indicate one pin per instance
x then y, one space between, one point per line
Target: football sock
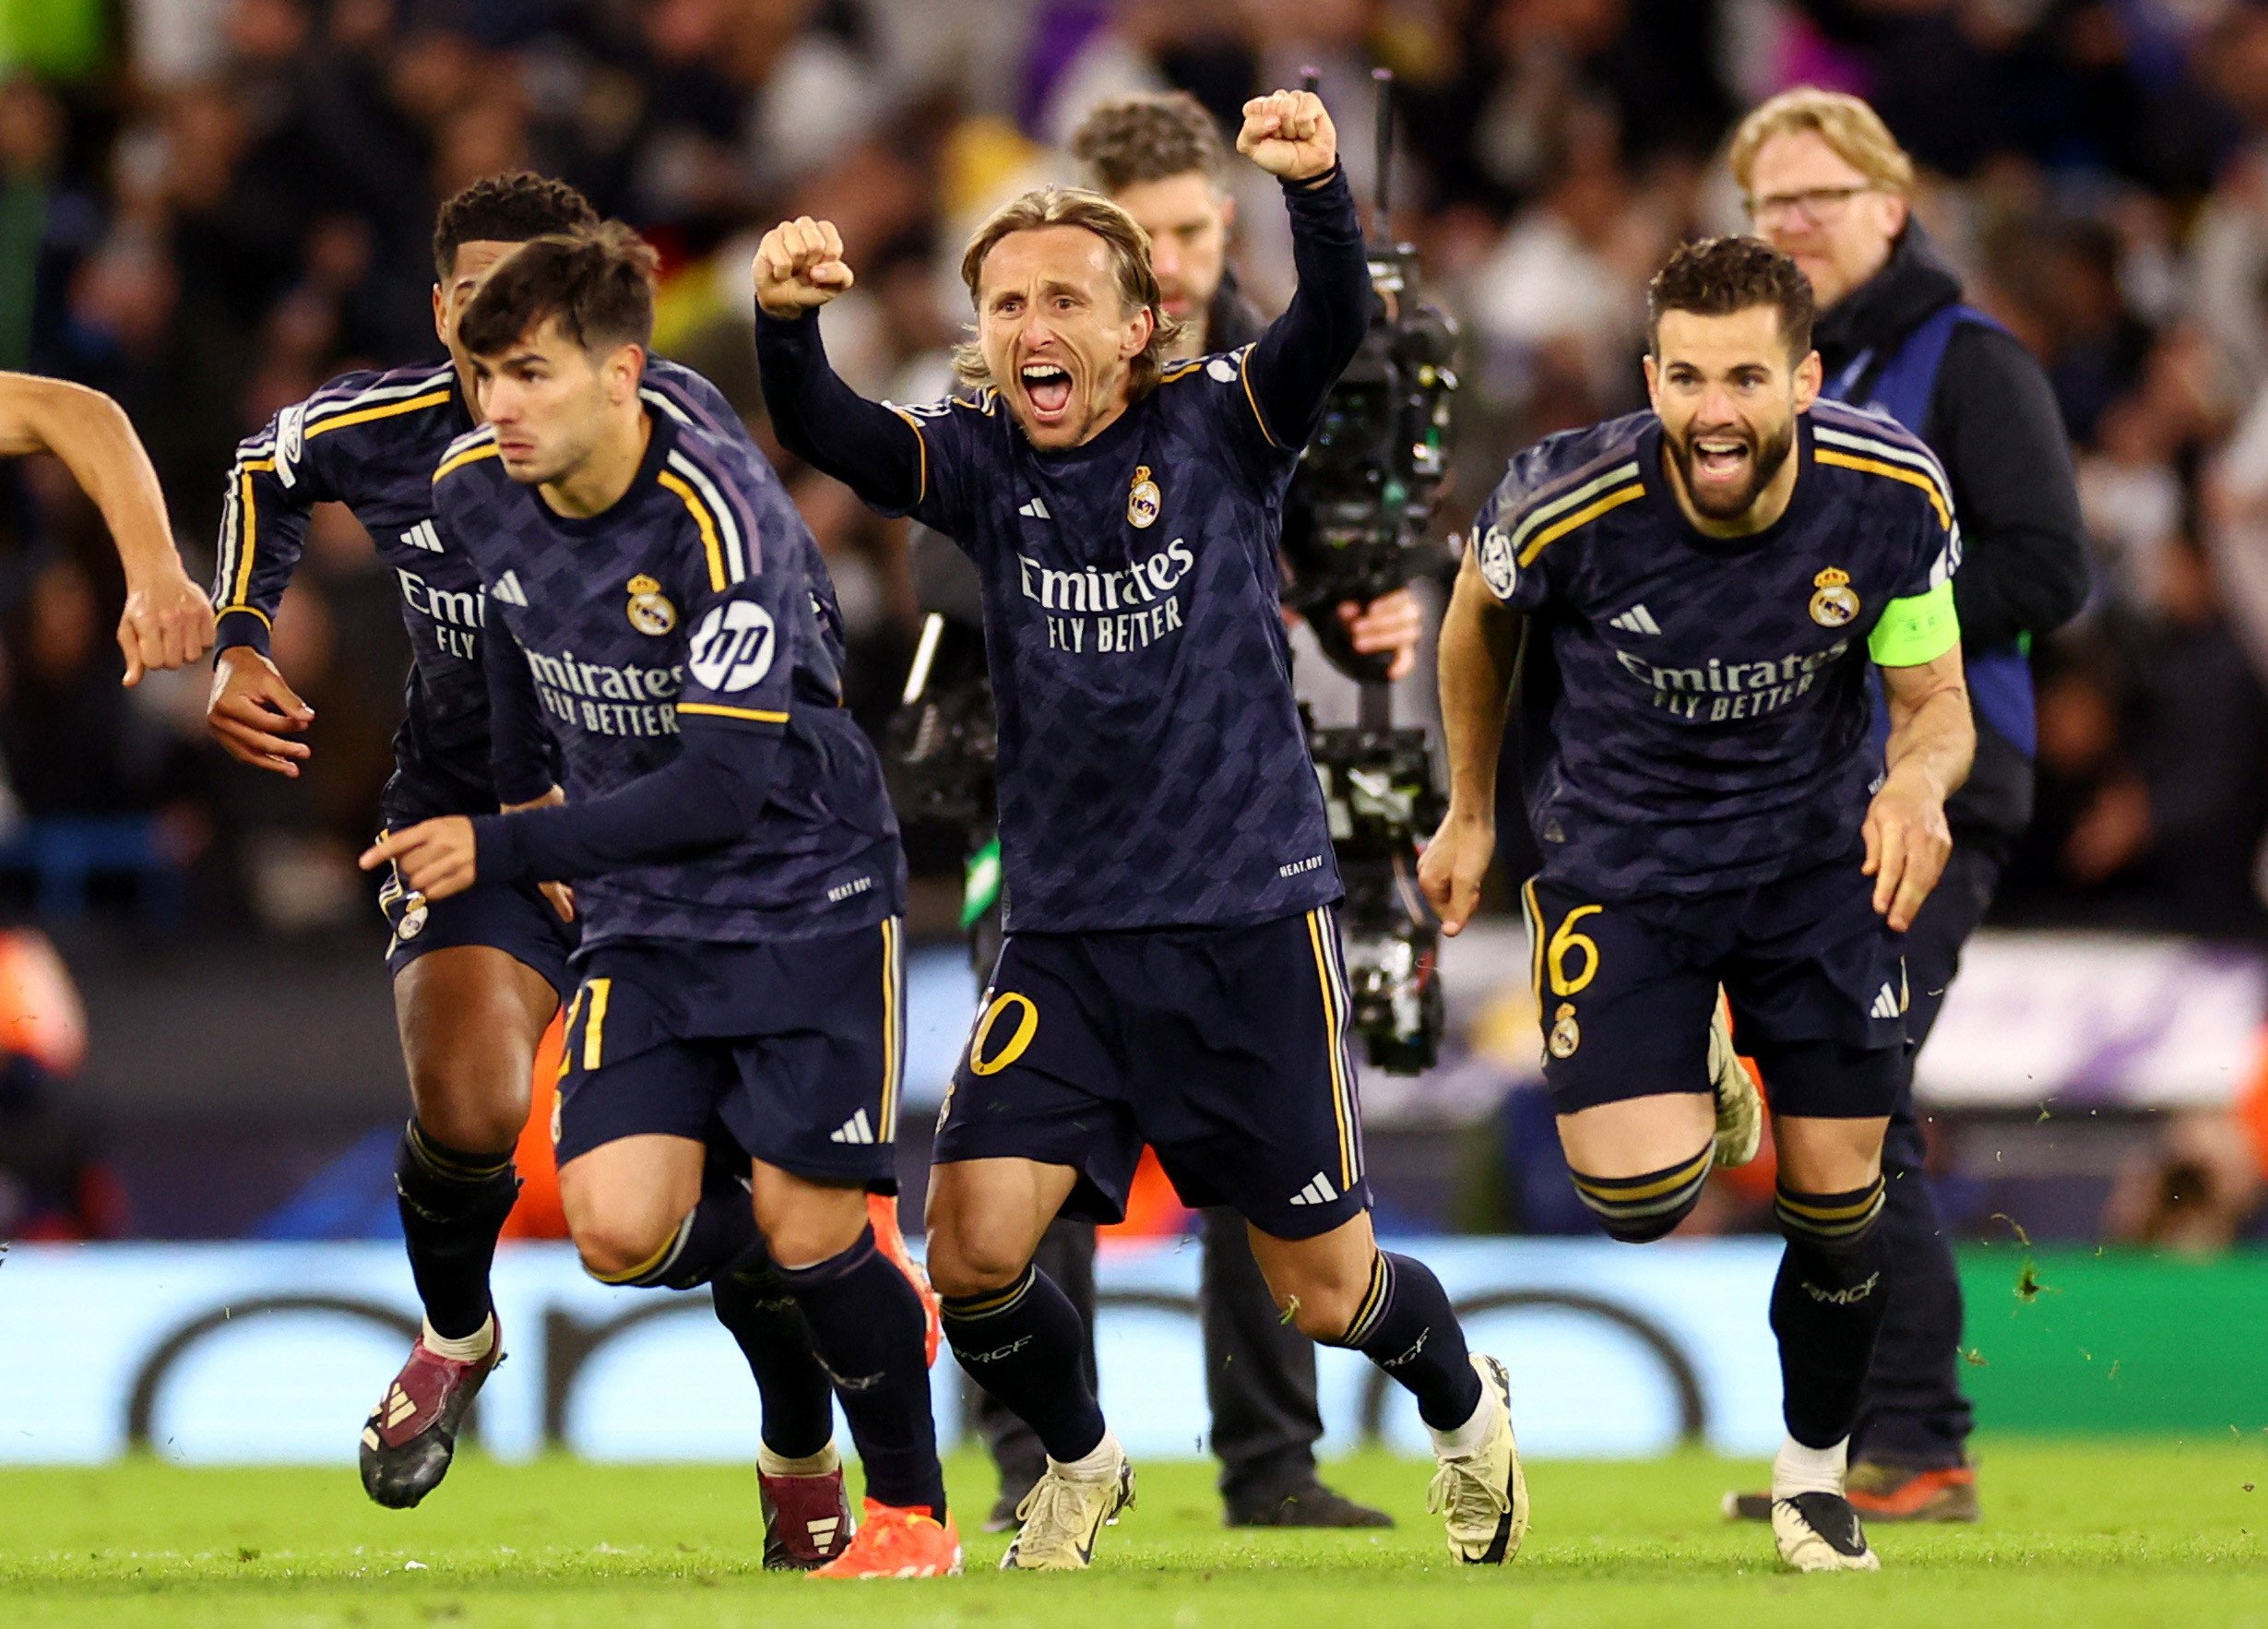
463 1348
826 1462
1023 1344
1096 1464
717 1231
1799 1469
1828 1307
755 1303
452 1204
1407 1327
1640 1209
867 1326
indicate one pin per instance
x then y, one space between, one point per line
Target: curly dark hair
507 209
1719 275
598 283
1131 139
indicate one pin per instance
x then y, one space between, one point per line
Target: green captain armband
1917 629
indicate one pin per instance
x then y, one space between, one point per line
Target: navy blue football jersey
372 441
1706 699
1152 767
697 600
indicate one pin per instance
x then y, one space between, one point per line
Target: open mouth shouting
1047 387
1721 460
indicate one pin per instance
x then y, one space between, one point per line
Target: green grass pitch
2156 1532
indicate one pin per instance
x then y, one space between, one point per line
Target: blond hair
1852 129
1129 249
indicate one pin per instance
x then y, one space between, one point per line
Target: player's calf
1399 1316
1828 1307
867 1326
452 1204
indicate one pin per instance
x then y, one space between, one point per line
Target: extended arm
167 622
868 447
707 795
1932 740
1479 659
1303 351
252 712
710 793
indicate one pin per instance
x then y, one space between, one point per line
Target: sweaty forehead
1718 344
1024 260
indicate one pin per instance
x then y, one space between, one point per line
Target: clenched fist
1288 134
800 267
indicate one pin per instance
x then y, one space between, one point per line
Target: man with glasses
1826 184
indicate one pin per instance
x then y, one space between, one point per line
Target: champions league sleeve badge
1143 499
1834 605
650 610
1498 568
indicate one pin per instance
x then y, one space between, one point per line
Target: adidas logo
508 589
398 1406
423 535
1318 1191
1035 509
1636 619
824 1528
1886 1003
857 1129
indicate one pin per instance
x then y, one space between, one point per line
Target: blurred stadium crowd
211 205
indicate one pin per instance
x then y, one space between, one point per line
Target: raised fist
800 267
1288 134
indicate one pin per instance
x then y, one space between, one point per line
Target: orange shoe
881 1212
899 1543
1889 1493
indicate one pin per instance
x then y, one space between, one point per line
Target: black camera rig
1356 528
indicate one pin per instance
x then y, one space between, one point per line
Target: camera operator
1161 158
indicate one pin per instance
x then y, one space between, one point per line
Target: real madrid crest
412 920
1566 1034
1833 606
650 610
1143 499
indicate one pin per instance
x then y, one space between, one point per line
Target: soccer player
167 622
1161 158
1827 183
733 1046
478 976
1705 585
1171 974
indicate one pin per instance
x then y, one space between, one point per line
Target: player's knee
966 1261
1640 1209
1829 1224
1322 1305
467 1102
622 1246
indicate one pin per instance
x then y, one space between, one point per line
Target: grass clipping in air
2133 1533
